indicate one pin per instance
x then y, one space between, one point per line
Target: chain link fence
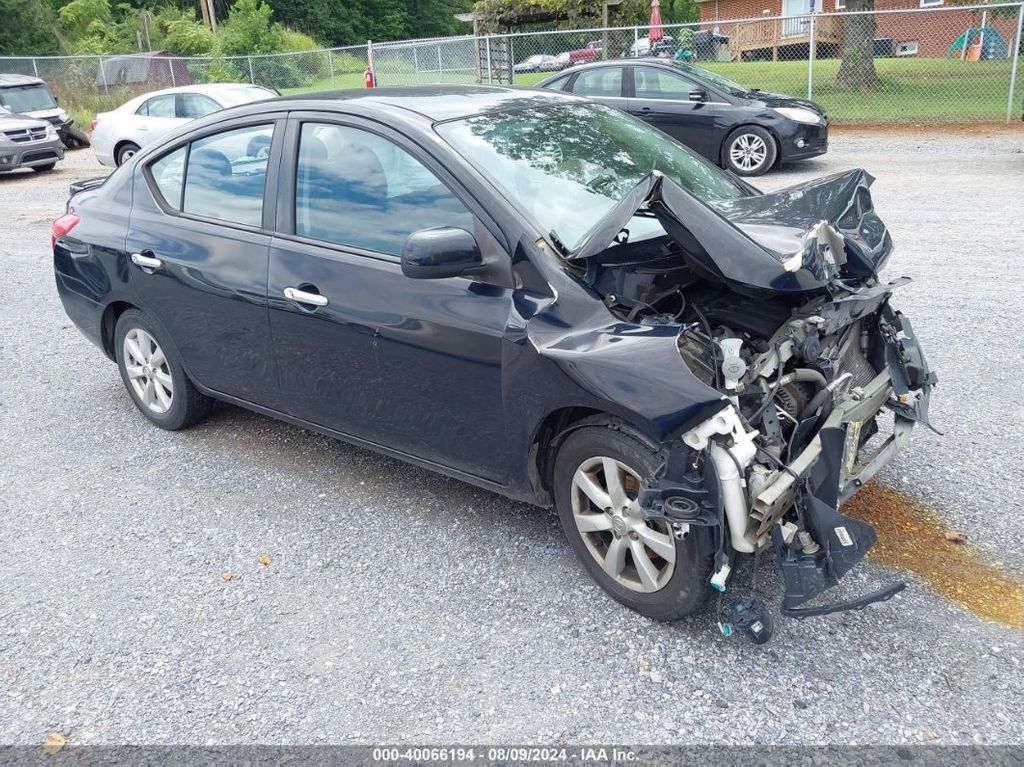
939 64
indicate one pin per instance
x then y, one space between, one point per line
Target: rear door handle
146 262
302 297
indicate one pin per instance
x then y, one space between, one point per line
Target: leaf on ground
54 742
263 559
227 577
955 536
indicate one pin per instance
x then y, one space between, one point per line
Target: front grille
26 135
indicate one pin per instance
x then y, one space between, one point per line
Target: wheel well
548 438
119 144
772 133
108 322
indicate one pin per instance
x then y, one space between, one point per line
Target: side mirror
430 254
698 95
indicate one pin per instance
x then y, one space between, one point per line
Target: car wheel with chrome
749 151
645 565
156 382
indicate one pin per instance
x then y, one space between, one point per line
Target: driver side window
651 83
359 189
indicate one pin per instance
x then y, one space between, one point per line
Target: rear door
198 244
662 98
414 365
153 118
604 84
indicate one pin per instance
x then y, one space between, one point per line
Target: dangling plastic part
726 629
719 578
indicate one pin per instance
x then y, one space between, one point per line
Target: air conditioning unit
907 49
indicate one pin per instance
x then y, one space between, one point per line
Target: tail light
94 123
62 226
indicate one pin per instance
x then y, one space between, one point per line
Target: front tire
749 151
125 152
641 564
155 380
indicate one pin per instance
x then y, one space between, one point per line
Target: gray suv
28 143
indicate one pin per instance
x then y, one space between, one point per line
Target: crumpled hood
798 239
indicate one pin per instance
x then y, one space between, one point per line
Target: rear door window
158 106
226 174
168 173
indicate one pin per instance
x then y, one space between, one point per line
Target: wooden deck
775 34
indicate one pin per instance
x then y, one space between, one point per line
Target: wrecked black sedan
536 294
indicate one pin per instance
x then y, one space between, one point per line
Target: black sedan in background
746 131
527 291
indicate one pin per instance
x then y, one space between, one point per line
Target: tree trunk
857 69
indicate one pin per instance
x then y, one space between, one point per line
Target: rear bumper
30 155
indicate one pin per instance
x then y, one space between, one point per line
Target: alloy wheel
637 554
748 151
148 371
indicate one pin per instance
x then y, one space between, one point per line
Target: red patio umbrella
655 32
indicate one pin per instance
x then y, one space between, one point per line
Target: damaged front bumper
720 475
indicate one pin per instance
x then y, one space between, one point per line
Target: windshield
566 166
27 98
711 78
230 97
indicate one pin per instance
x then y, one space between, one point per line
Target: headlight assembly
800 115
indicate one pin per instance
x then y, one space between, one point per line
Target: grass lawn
913 89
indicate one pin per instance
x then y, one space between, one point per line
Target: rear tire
655 573
154 378
125 152
749 151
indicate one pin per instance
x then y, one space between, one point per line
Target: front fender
631 370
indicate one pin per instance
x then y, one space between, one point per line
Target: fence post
103 77
810 60
252 77
369 61
330 65
170 63
487 43
1013 66
35 67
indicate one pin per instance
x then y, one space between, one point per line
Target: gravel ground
403 606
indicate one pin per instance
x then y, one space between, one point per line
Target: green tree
28 26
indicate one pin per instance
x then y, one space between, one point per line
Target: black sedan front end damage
781 311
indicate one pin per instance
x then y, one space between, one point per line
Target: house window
931 3
840 5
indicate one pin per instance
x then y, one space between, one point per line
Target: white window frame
932 3
840 5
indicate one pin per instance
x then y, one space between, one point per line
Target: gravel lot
403 606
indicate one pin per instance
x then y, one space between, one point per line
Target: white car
119 134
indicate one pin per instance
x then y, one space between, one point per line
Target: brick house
927 34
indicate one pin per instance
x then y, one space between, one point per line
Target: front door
413 365
662 98
198 254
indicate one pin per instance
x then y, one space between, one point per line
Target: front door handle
146 262
302 297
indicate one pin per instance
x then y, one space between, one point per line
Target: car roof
644 62
201 88
14 80
433 102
